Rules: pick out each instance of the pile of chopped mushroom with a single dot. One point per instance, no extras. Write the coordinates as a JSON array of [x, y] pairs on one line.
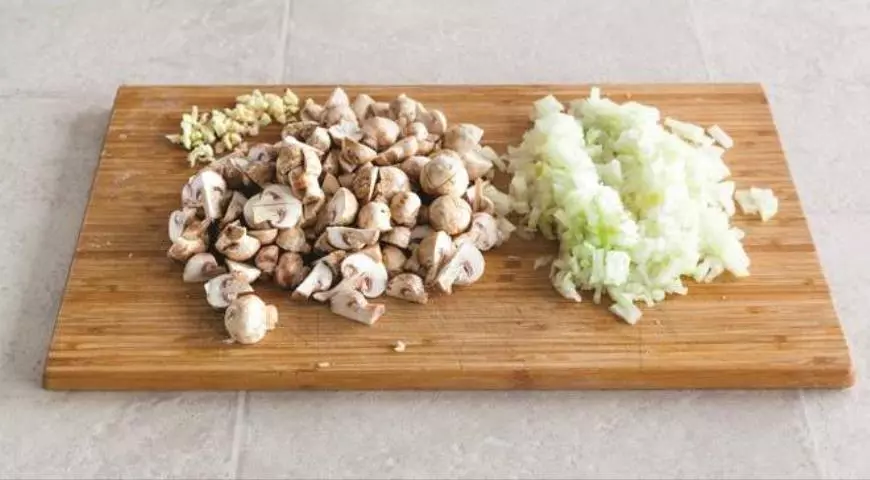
[[357, 200]]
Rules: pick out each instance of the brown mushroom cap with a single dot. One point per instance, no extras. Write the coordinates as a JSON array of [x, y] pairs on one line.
[[450, 214]]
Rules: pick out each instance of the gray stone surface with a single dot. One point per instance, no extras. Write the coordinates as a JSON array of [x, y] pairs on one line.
[[61, 62]]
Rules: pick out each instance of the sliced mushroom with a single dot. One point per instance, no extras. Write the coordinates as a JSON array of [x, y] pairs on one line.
[[434, 250], [355, 153], [318, 279], [403, 110], [361, 106], [394, 259], [374, 216], [193, 240], [220, 291], [330, 184], [404, 208], [319, 139], [484, 232], [206, 189], [416, 130], [435, 121], [414, 166], [398, 236], [353, 305], [408, 286], [464, 268], [364, 182], [290, 271], [462, 137], [311, 112], [380, 133], [179, 220], [444, 175], [248, 319], [374, 252], [235, 243], [359, 272], [400, 150], [379, 109], [246, 272], [292, 240], [274, 207], [266, 237], [345, 129], [476, 164], [345, 238], [391, 180], [202, 267], [267, 259], [234, 209], [450, 214], [341, 210], [299, 130]]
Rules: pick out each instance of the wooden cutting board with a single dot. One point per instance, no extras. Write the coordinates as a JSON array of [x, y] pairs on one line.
[[128, 322]]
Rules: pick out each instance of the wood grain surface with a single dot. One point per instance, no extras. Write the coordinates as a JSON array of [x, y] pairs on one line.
[[128, 322]]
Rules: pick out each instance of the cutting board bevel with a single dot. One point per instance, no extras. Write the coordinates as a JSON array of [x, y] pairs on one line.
[[127, 321]]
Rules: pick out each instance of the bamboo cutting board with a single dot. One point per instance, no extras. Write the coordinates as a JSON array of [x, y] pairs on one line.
[[128, 322]]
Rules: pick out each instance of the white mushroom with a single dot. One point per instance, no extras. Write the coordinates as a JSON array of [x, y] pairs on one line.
[[413, 166], [462, 137], [412, 264], [476, 164], [420, 232], [416, 130], [290, 270], [337, 109], [404, 208], [246, 272], [206, 189], [380, 133], [359, 272], [299, 130], [293, 240], [220, 291], [361, 106], [318, 279], [202, 267], [319, 139], [403, 110], [234, 209], [394, 259], [379, 109], [353, 305], [355, 154], [345, 129], [311, 112], [464, 268], [274, 207], [400, 150], [267, 259], [399, 236], [435, 121], [450, 214], [330, 184], [484, 232], [235, 243], [179, 220], [340, 211], [193, 240], [428, 145], [444, 175], [265, 236], [391, 180], [434, 250], [374, 216], [248, 319], [408, 286], [364, 182], [374, 252], [346, 238]]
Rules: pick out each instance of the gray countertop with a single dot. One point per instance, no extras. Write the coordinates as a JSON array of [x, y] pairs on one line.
[[60, 63]]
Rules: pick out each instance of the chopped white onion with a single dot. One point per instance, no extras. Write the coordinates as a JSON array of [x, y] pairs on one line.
[[720, 136]]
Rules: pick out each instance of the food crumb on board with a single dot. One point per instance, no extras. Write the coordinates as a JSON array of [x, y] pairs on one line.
[[724, 297], [658, 322], [399, 346], [323, 364], [130, 255], [122, 136]]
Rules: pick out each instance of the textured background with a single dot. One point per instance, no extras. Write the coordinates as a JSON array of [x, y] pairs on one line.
[[61, 62]]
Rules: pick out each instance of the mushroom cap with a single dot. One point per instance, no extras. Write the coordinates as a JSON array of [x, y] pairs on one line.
[[205, 189], [267, 259], [342, 208], [202, 267], [235, 243], [375, 216], [266, 236], [434, 250], [408, 286], [380, 133], [346, 238], [361, 106], [465, 267], [330, 184], [290, 271], [444, 174], [417, 130], [235, 209], [476, 164], [274, 207], [371, 275], [223, 289], [248, 319], [435, 121], [318, 279], [392, 180], [364, 182], [462, 137], [292, 240], [404, 207], [393, 259], [338, 98], [355, 153], [247, 273], [403, 109], [400, 150], [179, 220], [319, 139], [299, 130], [450, 214], [399, 236], [484, 231], [354, 306], [413, 166]]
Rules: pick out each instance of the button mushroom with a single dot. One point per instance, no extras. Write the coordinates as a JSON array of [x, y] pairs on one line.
[[193, 240], [318, 279], [179, 220], [434, 250], [374, 216], [408, 286], [220, 291], [359, 272], [202, 267], [246, 272], [476, 164], [292, 240], [380, 133], [444, 175], [345, 238], [462, 137], [400, 150], [266, 236], [394, 260], [450, 214], [290, 270], [484, 232], [234, 209], [391, 180], [354, 306], [274, 207], [319, 139], [403, 110], [267, 259], [404, 208], [398, 236], [340, 211], [311, 111], [330, 184], [355, 154], [464, 268], [435, 121], [206, 189], [298, 130], [337, 109], [413, 166], [235, 243], [374, 252], [361, 106], [364, 182], [248, 319]]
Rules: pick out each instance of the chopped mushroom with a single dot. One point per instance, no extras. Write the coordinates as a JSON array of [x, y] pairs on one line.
[[398, 236], [353, 305], [401, 150], [274, 207], [292, 240], [248, 319], [464, 268], [408, 286], [318, 279], [434, 250], [192, 240], [234, 210], [235, 243], [394, 260], [391, 181], [380, 133], [267, 259], [450, 214], [206, 189], [345, 238], [266, 236], [290, 271], [404, 208], [222, 290], [374, 216], [179, 220], [202, 267], [246, 272], [462, 137], [444, 175], [364, 182]]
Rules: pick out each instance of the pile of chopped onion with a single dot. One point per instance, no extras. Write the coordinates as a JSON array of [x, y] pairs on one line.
[[635, 203]]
